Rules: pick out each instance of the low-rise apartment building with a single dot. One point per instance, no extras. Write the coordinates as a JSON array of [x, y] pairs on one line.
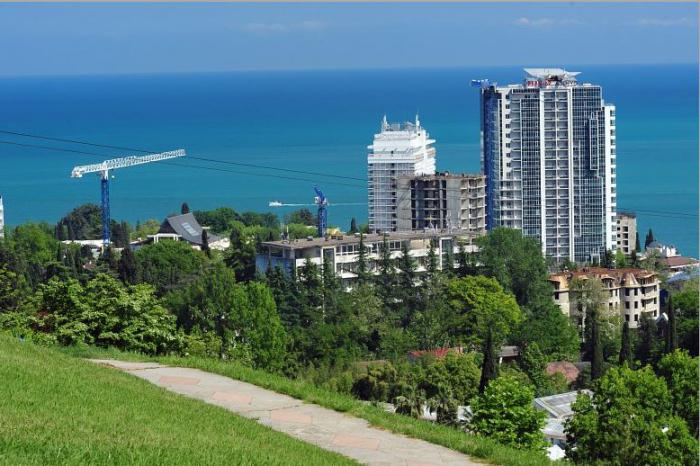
[[443, 201], [630, 292], [342, 251]]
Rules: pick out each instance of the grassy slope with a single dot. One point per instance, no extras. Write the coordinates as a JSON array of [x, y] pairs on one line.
[[478, 447], [55, 409]]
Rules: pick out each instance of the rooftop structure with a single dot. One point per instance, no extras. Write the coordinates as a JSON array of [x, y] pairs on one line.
[[629, 291], [558, 406], [549, 156], [185, 227], [398, 149]]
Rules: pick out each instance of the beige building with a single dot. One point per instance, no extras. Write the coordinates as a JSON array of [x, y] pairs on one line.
[[626, 232], [342, 251], [442, 201], [630, 292]]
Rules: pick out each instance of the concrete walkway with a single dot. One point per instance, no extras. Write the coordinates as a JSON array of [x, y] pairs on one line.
[[328, 429]]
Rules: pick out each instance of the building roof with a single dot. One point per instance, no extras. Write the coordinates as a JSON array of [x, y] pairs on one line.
[[440, 175], [509, 352], [187, 227], [679, 261], [368, 238], [551, 73], [558, 406], [438, 353], [565, 368], [620, 277]]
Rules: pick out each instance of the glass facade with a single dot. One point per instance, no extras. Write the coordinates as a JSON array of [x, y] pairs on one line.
[[546, 150]]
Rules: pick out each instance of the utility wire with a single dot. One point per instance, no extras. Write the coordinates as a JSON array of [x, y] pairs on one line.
[[205, 159], [177, 164]]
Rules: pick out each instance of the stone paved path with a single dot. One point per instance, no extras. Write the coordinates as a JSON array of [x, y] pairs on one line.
[[326, 428]]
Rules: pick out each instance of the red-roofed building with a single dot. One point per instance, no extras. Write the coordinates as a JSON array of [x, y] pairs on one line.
[[565, 368]]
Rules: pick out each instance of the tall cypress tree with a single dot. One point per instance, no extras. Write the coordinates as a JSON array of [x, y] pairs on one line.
[[386, 279], [647, 346], [362, 270], [128, 268], [489, 371], [649, 239], [431, 268], [637, 245], [407, 284], [184, 208], [626, 346], [353, 226], [671, 331], [205, 243], [597, 347]]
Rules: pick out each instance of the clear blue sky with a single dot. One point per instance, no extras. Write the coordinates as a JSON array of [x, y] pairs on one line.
[[143, 38]]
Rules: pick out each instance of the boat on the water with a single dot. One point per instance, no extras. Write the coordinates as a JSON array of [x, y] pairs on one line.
[[275, 204]]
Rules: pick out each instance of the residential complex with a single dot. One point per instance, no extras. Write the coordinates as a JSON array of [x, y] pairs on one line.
[[443, 201], [343, 251], [630, 292], [399, 149], [626, 232], [548, 153]]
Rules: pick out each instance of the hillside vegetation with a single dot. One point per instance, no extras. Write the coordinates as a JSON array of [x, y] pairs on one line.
[[55, 409]]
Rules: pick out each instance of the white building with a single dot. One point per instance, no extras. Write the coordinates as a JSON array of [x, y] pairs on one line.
[[342, 252], [399, 149], [548, 153]]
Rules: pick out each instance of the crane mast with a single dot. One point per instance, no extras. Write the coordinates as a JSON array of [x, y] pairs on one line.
[[103, 169], [322, 203]]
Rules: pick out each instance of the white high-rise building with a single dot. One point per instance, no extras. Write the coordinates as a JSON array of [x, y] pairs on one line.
[[398, 150], [548, 153]]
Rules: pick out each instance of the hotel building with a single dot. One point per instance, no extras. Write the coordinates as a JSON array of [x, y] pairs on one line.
[[548, 153]]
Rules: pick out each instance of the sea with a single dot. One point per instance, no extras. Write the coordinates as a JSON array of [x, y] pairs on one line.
[[308, 125]]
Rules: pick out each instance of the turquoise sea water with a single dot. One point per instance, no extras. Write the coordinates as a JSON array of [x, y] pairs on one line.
[[319, 121]]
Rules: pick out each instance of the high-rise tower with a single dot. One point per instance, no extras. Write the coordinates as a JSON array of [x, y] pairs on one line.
[[399, 149], [548, 153]]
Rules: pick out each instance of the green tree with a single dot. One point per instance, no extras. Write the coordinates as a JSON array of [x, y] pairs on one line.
[[649, 346], [628, 421], [301, 216], [466, 263], [637, 244], [626, 354], [681, 374], [505, 413], [649, 239], [489, 369], [353, 226], [385, 280], [687, 303], [83, 222], [554, 333], [479, 304], [240, 255], [184, 208], [596, 345], [362, 266], [168, 265], [534, 363], [620, 259], [12, 290], [516, 262], [406, 280], [128, 268], [671, 330], [205, 243]]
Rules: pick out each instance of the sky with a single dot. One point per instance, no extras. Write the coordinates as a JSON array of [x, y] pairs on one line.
[[50, 39]]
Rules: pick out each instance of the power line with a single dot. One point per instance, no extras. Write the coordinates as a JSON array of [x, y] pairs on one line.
[[177, 164], [204, 159]]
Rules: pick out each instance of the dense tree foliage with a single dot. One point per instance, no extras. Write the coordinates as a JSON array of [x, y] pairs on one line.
[[169, 264], [629, 420], [504, 412]]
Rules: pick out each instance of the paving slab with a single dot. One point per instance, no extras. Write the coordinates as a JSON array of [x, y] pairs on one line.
[[328, 429]]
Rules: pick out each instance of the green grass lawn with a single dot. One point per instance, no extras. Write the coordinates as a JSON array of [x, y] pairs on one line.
[[56, 409], [478, 447]]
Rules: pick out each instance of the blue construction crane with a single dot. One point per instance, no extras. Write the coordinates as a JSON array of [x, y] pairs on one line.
[[103, 169], [321, 201]]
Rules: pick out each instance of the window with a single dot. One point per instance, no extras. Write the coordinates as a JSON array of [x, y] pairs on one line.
[[556, 296], [636, 291], [627, 317], [627, 305], [636, 317], [627, 292], [636, 305]]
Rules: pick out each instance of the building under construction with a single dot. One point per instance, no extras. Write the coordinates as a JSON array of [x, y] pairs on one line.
[[442, 201]]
